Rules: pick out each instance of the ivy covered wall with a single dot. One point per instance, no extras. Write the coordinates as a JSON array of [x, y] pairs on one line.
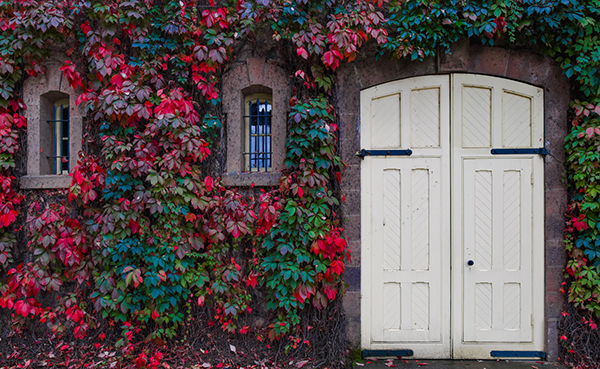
[[146, 242]]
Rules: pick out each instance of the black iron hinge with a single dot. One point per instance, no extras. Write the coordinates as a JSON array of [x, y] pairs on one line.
[[541, 151], [540, 354], [362, 153], [388, 353]]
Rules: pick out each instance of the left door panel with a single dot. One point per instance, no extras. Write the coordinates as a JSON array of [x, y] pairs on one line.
[[405, 223]]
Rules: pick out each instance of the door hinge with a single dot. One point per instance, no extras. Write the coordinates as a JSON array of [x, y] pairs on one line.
[[541, 151], [540, 354], [531, 178], [384, 353], [362, 153]]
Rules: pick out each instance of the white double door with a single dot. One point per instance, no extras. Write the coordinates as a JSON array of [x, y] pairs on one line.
[[452, 236]]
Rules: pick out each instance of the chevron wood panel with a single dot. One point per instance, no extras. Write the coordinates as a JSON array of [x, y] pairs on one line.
[[512, 306], [391, 219], [420, 306], [516, 120], [391, 306], [483, 306], [420, 219], [483, 220], [385, 122], [425, 117], [476, 116], [512, 220]]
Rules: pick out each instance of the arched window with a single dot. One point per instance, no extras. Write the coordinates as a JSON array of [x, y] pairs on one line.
[[255, 102], [60, 138], [258, 151], [54, 129]]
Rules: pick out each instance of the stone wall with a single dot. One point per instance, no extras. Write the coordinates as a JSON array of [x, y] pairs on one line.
[[465, 58]]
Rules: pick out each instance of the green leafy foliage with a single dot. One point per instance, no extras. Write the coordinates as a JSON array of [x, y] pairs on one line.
[[145, 232], [303, 254]]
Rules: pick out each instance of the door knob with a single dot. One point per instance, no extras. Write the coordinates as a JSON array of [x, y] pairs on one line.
[[470, 262]]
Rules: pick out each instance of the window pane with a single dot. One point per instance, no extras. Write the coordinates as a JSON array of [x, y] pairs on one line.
[[259, 152]]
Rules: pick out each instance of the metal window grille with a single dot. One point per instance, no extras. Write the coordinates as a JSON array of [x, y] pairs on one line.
[[60, 140], [259, 154]]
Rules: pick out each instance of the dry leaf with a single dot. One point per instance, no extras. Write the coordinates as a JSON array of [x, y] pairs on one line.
[[300, 364]]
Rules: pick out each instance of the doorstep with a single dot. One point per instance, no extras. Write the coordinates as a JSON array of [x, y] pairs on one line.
[[455, 364]]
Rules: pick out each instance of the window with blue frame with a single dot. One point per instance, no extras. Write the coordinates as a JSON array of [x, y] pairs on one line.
[[258, 153], [59, 158]]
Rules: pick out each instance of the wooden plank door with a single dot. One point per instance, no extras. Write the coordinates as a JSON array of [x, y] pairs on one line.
[[405, 211], [498, 217]]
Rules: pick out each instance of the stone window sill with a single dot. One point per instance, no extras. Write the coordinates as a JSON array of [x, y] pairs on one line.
[[247, 179], [45, 181]]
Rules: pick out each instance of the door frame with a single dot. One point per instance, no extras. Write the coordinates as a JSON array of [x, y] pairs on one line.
[[458, 348]]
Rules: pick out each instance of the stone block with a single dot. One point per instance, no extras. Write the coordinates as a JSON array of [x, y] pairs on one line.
[[456, 59], [526, 67], [351, 303], [556, 255], [351, 226], [242, 179], [554, 173], [354, 247], [371, 72], [352, 277], [348, 98], [256, 70], [407, 68], [554, 226], [352, 204], [554, 304], [554, 278], [349, 148], [349, 126], [353, 332], [351, 178], [45, 181], [552, 340], [488, 60], [556, 201]]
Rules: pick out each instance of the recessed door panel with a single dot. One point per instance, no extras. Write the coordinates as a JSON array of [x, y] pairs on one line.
[[497, 240], [407, 263]]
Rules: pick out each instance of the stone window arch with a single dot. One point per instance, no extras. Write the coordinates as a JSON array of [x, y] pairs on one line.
[[254, 79], [54, 129]]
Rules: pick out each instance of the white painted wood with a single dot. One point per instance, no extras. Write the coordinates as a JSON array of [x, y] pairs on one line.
[[489, 210], [498, 220], [405, 212], [385, 110], [496, 215]]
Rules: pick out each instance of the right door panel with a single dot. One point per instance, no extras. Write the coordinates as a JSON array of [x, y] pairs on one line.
[[497, 217]]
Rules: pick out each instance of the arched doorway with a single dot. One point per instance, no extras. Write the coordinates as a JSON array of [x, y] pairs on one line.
[[453, 216]]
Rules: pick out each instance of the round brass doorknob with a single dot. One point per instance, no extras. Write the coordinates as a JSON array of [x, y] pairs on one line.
[[470, 262]]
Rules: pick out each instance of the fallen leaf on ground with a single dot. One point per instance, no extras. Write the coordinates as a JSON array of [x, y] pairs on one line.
[[300, 364]]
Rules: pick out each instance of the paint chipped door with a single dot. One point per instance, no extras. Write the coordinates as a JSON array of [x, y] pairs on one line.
[[407, 296]]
